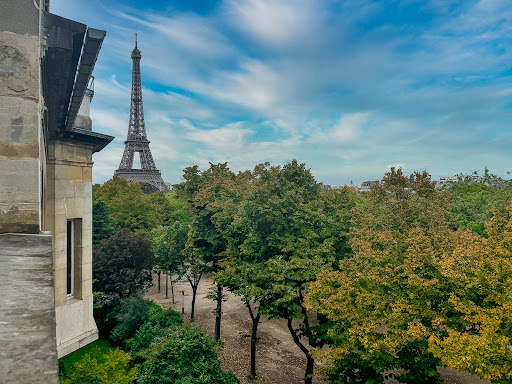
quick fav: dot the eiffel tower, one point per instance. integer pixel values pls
(137, 140)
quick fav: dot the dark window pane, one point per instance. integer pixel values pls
(69, 257)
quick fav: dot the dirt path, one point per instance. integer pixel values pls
(278, 359)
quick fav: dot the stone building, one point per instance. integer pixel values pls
(46, 147)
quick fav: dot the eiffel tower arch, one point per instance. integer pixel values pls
(137, 140)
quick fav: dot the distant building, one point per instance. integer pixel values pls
(46, 147)
(365, 186)
(444, 181)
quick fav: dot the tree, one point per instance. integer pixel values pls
(131, 209)
(102, 226)
(473, 201)
(207, 194)
(384, 300)
(286, 231)
(175, 257)
(122, 266)
(250, 281)
(484, 302)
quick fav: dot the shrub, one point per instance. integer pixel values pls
(167, 318)
(157, 326)
(183, 356)
(114, 370)
(143, 339)
(131, 314)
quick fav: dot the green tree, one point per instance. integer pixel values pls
(286, 231)
(473, 201)
(207, 194)
(122, 266)
(102, 226)
(176, 258)
(131, 208)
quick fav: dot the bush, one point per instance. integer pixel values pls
(105, 317)
(114, 370)
(183, 356)
(167, 318)
(156, 327)
(143, 339)
(130, 315)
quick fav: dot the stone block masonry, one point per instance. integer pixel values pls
(19, 133)
(27, 316)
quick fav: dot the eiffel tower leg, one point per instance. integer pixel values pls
(127, 160)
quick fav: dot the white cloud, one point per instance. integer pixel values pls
(277, 23)
(255, 86)
(110, 121)
(190, 32)
(232, 137)
(346, 130)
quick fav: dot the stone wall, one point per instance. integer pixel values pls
(27, 316)
(69, 196)
(19, 117)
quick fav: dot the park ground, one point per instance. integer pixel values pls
(278, 359)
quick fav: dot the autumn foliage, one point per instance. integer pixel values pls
(417, 294)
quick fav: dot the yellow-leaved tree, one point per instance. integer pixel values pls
(481, 342)
(384, 299)
(417, 293)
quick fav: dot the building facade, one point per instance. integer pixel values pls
(46, 147)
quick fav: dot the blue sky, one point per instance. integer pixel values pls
(351, 87)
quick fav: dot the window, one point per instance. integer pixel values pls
(74, 259)
(70, 263)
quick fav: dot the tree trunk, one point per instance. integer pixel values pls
(254, 339)
(172, 291)
(158, 281)
(194, 290)
(166, 286)
(308, 377)
(193, 280)
(218, 312)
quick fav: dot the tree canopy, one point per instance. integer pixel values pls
(285, 231)
(392, 287)
(122, 266)
(133, 210)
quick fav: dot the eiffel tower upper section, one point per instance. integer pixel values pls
(137, 140)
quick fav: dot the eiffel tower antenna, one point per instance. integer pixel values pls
(137, 140)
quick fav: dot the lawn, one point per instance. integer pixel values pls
(97, 349)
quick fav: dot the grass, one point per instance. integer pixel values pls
(97, 349)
